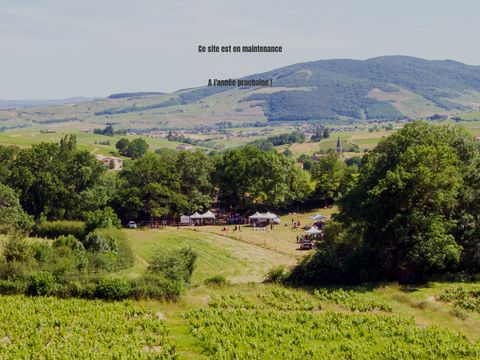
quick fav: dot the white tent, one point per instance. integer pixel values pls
(313, 230)
(256, 216)
(208, 215)
(267, 217)
(317, 217)
(196, 216)
(184, 220)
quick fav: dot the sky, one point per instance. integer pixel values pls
(51, 49)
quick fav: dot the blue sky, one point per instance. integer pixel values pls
(56, 49)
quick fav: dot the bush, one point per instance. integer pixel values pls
(17, 249)
(276, 275)
(111, 249)
(41, 283)
(178, 265)
(111, 288)
(101, 218)
(54, 229)
(217, 280)
(10, 287)
(42, 252)
(70, 242)
(152, 286)
(100, 242)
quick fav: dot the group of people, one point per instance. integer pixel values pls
(295, 224)
(263, 227)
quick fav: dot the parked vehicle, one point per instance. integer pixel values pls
(132, 225)
(306, 245)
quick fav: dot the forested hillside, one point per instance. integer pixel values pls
(330, 91)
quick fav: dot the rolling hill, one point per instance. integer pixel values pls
(382, 88)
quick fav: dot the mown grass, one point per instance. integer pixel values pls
(217, 255)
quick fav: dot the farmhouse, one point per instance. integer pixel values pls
(111, 162)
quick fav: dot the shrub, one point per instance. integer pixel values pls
(42, 252)
(217, 280)
(151, 286)
(101, 218)
(54, 229)
(99, 241)
(17, 249)
(41, 283)
(115, 249)
(10, 287)
(124, 255)
(276, 275)
(111, 288)
(70, 242)
(178, 265)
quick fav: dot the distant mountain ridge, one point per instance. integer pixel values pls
(34, 103)
(381, 88)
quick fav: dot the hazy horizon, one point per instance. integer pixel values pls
(57, 50)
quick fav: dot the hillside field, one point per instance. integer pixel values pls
(371, 321)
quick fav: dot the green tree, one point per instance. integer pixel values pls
(122, 146)
(250, 178)
(12, 216)
(52, 178)
(328, 173)
(154, 194)
(137, 148)
(406, 198)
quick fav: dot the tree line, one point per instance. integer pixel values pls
(412, 213)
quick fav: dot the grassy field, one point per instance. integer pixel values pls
(258, 320)
(238, 261)
(85, 140)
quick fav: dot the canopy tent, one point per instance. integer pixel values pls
(267, 217)
(313, 231)
(208, 215)
(317, 217)
(184, 220)
(255, 216)
(201, 219)
(195, 216)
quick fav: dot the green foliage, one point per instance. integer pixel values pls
(54, 229)
(97, 242)
(156, 286)
(16, 248)
(282, 139)
(49, 328)
(132, 149)
(332, 177)
(235, 327)
(249, 178)
(276, 275)
(12, 216)
(351, 300)
(217, 280)
(398, 220)
(41, 283)
(465, 297)
(52, 178)
(171, 184)
(285, 300)
(178, 265)
(68, 241)
(101, 218)
(111, 288)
